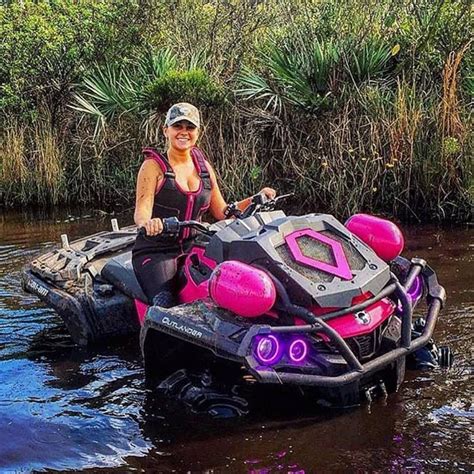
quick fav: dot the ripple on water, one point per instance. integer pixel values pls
(459, 410)
(36, 411)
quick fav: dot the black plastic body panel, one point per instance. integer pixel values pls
(90, 315)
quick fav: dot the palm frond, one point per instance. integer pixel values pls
(153, 65)
(288, 70)
(369, 60)
(110, 90)
(198, 60)
(253, 86)
(324, 58)
(303, 71)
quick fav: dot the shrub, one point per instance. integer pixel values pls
(306, 74)
(194, 86)
(143, 89)
(47, 44)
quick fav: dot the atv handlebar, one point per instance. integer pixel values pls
(172, 227)
(260, 202)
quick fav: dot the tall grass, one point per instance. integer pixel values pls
(48, 166)
(14, 173)
(456, 138)
(31, 169)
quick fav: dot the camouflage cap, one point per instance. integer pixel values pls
(182, 111)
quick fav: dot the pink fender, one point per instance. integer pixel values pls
(191, 290)
(365, 321)
(141, 308)
(383, 236)
(242, 289)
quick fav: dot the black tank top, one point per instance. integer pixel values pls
(173, 201)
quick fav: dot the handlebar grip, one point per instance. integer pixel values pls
(171, 225)
(259, 198)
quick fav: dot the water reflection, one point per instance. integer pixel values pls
(62, 407)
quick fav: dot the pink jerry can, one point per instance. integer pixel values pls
(242, 289)
(383, 236)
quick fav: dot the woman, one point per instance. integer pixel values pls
(182, 184)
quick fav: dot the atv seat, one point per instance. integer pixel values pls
(119, 271)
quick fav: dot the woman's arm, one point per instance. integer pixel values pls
(270, 193)
(149, 177)
(218, 205)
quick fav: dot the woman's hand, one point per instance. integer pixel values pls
(269, 193)
(153, 226)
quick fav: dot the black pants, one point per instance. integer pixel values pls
(156, 270)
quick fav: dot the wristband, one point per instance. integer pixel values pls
(232, 210)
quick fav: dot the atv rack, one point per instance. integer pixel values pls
(68, 262)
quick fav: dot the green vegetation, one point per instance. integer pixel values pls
(360, 105)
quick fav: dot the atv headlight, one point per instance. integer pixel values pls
(271, 349)
(298, 350)
(268, 350)
(416, 290)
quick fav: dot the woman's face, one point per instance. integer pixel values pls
(181, 135)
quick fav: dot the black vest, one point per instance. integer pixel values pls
(172, 201)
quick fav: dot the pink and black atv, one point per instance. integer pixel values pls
(298, 300)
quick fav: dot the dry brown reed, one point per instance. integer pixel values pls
(47, 158)
(13, 162)
(403, 130)
(451, 124)
(31, 168)
(455, 153)
(405, 125)
(330, 163)
(12, 153)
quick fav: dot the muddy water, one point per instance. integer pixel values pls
(66, 408)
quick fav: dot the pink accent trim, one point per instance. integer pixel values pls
(197, 155)
(191, 291)
(146, 261)
(188, 214)
(273, 314)
(206, 260)
(203, 209)
(242, 289)
(187, 193)
(151, 153)
(349, 326)
(206, 165)
(383, 236)
(341, 269)
(141, 308)
(160, 185)
(198, 169)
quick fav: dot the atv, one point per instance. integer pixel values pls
(294, 300)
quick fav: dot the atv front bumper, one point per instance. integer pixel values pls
(352, 370)
(229, 337)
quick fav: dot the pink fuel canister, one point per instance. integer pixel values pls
(242, 289)
(383, 236)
